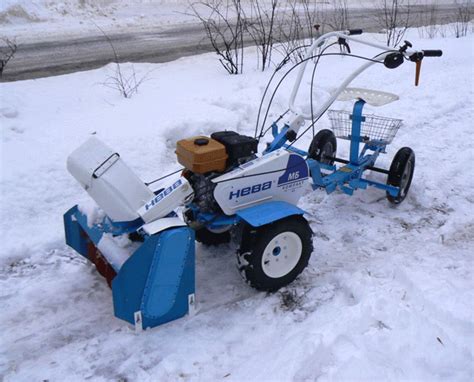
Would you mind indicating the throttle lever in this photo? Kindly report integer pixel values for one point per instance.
(343, 43)
(417, 58)
(417, 72)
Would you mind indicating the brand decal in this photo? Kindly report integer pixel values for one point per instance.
(296, 172)
(250, 190)
(163, 194)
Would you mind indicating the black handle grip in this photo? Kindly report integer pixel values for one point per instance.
(355, 31)
(432, 53)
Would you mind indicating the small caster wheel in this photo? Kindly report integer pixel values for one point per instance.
(323, 146)
(401, 174)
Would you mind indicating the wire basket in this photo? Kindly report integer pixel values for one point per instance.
(374, 129)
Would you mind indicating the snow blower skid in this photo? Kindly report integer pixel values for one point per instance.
(152, 278)
(227, 190)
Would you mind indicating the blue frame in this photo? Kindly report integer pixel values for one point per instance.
(347, 178)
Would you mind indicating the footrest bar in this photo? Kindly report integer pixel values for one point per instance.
(340, 160)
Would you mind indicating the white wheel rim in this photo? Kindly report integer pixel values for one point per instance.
(281, 254)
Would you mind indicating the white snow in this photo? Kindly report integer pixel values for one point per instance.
(115, 250)
(388, 293)
(28, 21)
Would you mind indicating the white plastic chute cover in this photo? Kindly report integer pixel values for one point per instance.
(108, 180)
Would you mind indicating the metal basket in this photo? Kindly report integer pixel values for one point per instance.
(373, 128)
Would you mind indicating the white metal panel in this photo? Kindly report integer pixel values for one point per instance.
(162, 224)
(108, 180)
(174, 195)
(260, 181)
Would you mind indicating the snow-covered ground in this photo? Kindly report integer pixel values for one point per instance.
(29, 21)
(388, 293)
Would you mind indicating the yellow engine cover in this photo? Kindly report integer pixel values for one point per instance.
(201, 154)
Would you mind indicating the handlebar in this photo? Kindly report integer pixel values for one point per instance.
(432, 53)
(392, 58)
(354, 31)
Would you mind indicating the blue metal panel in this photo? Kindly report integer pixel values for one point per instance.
(274, 129)
(157, 279)
(296, 150)
(78, 232)
(278, 142)
(315, 170)
(75, 236)
(166, 272)
(296, 170)
(268, 212)
(129, 284)
(94, 233)
(392, 190)
(355, 132)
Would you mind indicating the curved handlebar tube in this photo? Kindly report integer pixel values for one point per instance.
(347, 35)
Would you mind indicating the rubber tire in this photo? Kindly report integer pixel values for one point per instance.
(323, 143)
(403, 158)
(254, 241)
(206, 237)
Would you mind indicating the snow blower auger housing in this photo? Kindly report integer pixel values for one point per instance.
(226, 189)
(152, 278)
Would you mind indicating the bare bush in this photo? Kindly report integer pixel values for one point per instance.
(312, 19)
(443, 30)
(223, 22)
(462, 18)
(338, 19)
(430, 27)
(394, 17)
(260, 24)
(126, 84)
(8, 49)
(299, 25)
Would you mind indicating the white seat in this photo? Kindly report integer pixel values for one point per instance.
(372, 97)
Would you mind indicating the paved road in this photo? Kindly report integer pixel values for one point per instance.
(34, 60)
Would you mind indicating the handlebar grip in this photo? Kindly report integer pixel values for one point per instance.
(433, 53)
(355, 31)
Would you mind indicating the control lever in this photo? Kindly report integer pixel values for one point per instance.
(405, 46)
(417, 58)
(417, 72)
(343, 44)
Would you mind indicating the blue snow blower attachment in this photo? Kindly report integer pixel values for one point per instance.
(145, 252)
